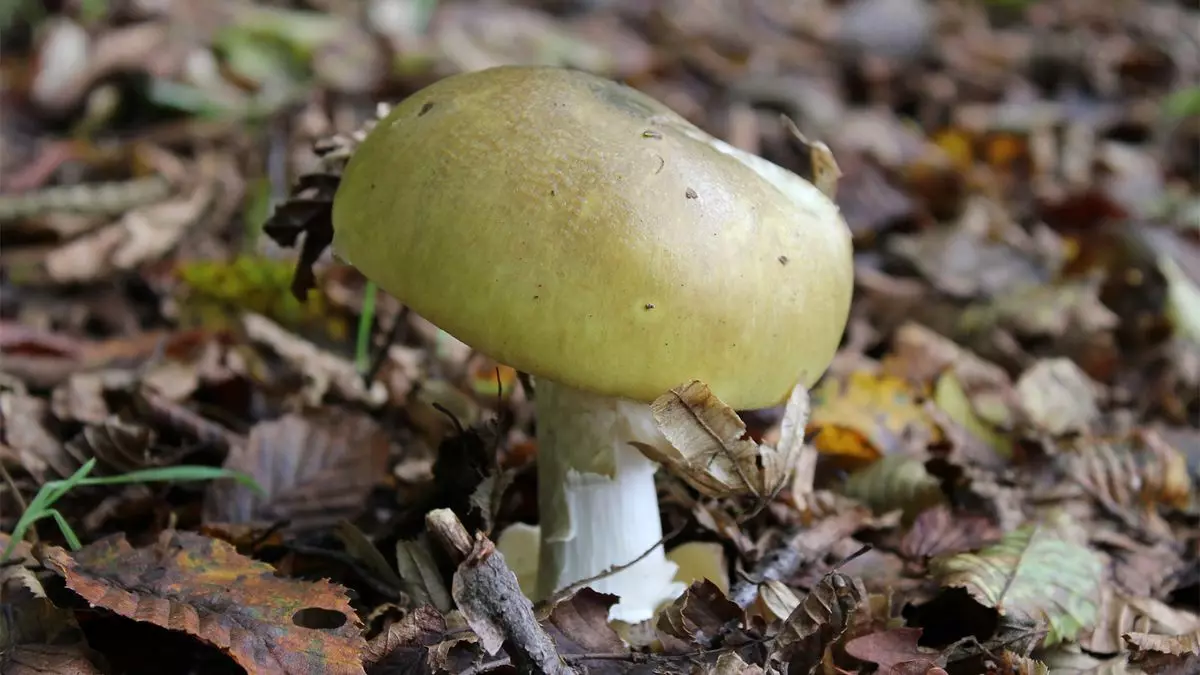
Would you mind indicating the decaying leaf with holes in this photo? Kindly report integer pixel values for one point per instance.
(315, 469)
(709, 447)
(817, 623)
(1041, 572)
(205, 588)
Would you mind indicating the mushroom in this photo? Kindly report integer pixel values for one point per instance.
(578, 230)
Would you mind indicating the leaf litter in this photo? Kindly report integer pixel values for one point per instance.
(1010, 428)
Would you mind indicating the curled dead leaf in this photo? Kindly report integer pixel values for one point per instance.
(700, 616)
(710, 449)
(817, 623)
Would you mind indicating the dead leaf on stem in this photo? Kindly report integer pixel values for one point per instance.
(710, 449)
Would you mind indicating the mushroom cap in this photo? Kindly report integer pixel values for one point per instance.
(578, 230)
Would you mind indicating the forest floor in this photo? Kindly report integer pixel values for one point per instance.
(201, 474)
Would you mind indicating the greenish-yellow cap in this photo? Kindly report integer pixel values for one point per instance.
(575, 228)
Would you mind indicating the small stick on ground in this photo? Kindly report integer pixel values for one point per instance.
(797, 549)
(488, 594)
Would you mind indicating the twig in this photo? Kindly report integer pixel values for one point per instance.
(797, 549)
(488, 594)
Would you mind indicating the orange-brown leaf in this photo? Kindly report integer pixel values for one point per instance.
(205, 588)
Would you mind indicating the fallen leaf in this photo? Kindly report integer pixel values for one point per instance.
(579, 623)
(1058, 398)
(315, 469)
(938, 531)
(817, 623)
(866, 416)
(1120, 614)
(139, 236)
(43, 659)
(775, 601)
(203, 587)
(119, 445)
(403, 646)
(1165, 654)
(896, 652)
(1015, 664)
(709, 447)
(420, 574)
(322, 370)
(965, 264)
(80, 399)
(24, 431)
(700, 616)
(895, 482)
(729, 663)
(1039, 572)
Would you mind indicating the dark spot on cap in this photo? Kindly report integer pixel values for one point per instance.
(650, 133)
(783, 260)
(425, 108)
(649, 305)
(553, 193)
(690, 194)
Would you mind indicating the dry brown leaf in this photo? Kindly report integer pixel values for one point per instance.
(183, 583)
(579, 623)
(118, 445)
(80, 399)
(896, 652)
(775, 601)
(1014, 664)
(1165, 654)
(699, 616)
(44, 659)
(938, 531)
(817, 623)
(1058, 398)
(315, 469)
(420, 574)
(710, 449)
(1120, 614)
(32, 446)
(142, 235)
(322, 370)
(404, 645)
(729, 663)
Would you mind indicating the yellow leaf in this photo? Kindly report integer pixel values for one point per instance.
(867, 416)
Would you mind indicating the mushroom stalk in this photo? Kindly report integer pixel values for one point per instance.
(597, 501)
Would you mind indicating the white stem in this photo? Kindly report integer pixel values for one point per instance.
(597, 501)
